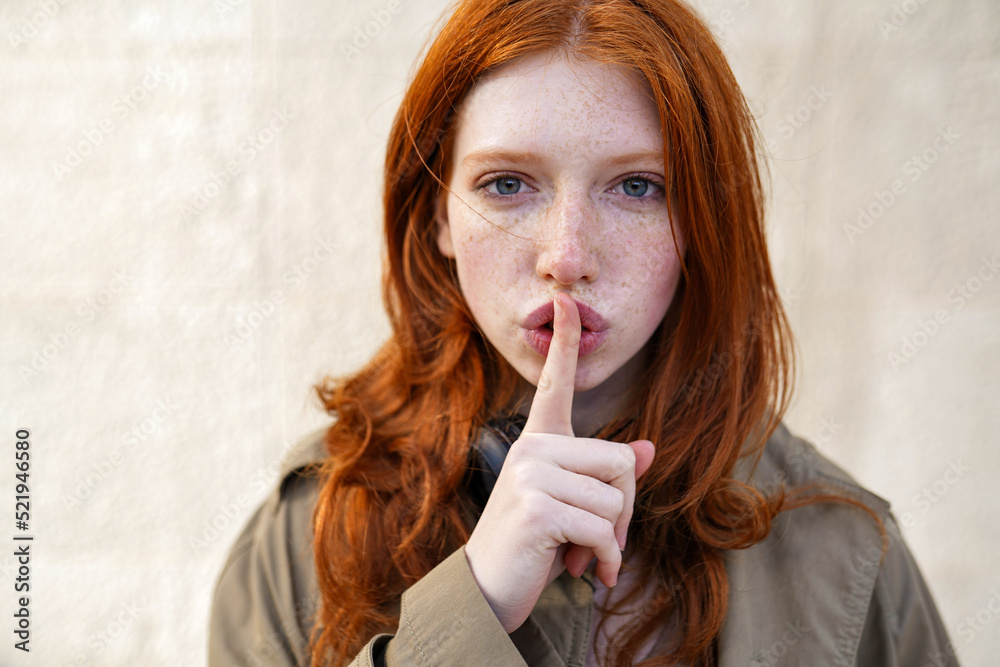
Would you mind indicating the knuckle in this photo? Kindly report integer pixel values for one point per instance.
(617, 501)
(528, 479)
(598, 495)
(595, 489)
(563, 524)
(517, 476)
(519, 451)
(624, 460)
(606, 532)
(533, 510)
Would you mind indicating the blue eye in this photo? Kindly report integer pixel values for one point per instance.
(507, 185)
(635, 187)
(501, 188)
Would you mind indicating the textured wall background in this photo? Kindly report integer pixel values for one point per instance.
(189, 201)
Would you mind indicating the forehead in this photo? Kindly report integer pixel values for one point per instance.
(551, 100)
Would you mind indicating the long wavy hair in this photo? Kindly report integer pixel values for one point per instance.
(392, 503)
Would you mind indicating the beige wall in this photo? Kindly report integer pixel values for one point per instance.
(131, 263)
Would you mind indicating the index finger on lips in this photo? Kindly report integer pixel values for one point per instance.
(552, 407)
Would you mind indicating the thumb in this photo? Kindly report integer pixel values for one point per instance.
(644, 452)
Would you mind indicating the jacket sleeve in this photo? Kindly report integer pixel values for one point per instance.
(265, 600)
(903, 626)
(444, 620)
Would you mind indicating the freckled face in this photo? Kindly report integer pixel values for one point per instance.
(557, 185)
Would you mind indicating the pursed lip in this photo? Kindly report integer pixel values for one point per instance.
(592, 334)
(589, 318)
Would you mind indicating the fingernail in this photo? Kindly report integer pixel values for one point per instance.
(558, 307)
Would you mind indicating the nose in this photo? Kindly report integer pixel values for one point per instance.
(567, 243)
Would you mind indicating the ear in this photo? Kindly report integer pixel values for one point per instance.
(444, 241)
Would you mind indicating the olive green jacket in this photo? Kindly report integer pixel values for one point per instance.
(817, 592)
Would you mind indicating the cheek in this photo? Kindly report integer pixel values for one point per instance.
(654, 271)
(487, 270)
(644, 258)
(484, 253)
(477, 261)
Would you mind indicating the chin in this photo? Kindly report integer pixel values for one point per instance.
(587, 380)
(587, 377)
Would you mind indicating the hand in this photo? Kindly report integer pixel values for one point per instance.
(559, 499)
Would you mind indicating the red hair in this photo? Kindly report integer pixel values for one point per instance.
(391, 506)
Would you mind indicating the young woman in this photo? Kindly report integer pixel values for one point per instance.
(569, 452)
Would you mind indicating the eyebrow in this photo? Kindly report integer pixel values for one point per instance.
(488, 157)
